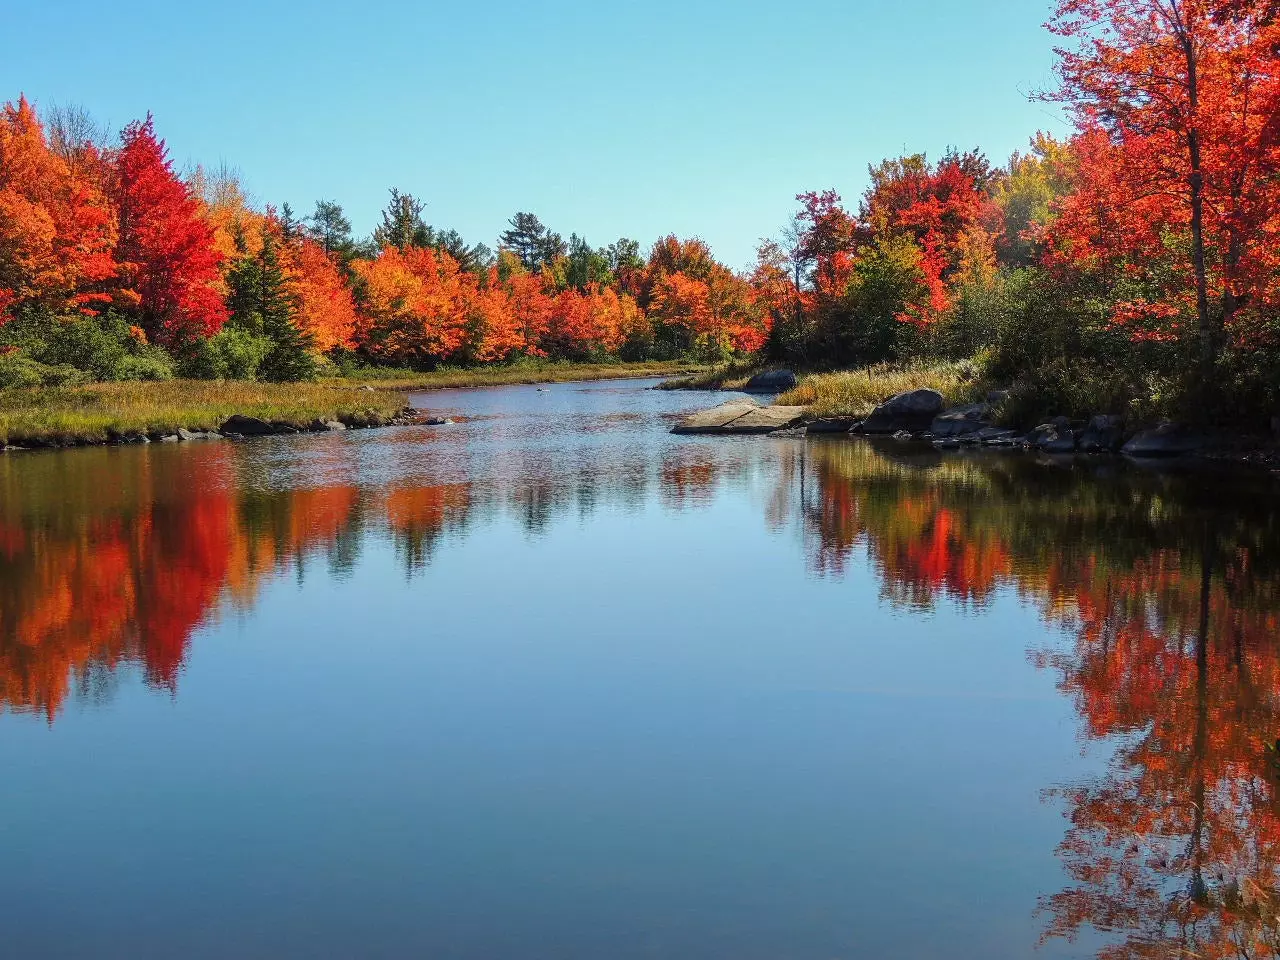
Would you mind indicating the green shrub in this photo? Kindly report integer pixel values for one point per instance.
(17, 370)
(230, 354)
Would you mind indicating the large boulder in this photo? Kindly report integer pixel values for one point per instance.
(1166, 440)
(914, 410)
(961, 421)
(771, 381)
(247, 426)
(1104, 434)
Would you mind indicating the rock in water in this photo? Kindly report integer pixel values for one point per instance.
(1104, 434)
(772, 381)
(740, 416)
(247, 426)
(1166, 440)
(961, 421)
(914, 410)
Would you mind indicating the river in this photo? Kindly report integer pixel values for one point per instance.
(550, 682)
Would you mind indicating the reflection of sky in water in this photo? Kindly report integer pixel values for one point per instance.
(553, 682)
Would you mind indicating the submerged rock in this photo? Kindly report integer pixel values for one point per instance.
(832, 424)
(914, 410)
(771, 381)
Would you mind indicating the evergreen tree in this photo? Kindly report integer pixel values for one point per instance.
(532, 242)
(402, 223)
(263, 303)
(330, 228)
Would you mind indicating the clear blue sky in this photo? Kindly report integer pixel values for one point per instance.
(609, 119)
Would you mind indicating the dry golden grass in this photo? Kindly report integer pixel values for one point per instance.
(855, 393)
(97, 413)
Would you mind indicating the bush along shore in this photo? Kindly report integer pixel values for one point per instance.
(951, 406)
(176, 411)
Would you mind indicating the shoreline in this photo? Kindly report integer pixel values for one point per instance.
(531, 375)
(119, 414)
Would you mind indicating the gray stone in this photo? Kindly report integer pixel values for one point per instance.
(170, 438)
(184, 434)
(330, 425)
(790, 433)
(1104, 434)
(771, 381)
(914, 410)
(247, 426)
(904, 435)
(959, 421)
(1166, 440)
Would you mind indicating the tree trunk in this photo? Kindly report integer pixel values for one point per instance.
(1208, 340)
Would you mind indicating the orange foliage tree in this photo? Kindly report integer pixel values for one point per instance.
(56, 228)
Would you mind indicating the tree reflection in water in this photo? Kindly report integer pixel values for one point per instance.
(1165, 589)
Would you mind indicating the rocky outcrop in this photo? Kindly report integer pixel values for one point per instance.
(740, 416)
(771, 381)
(1166, 440)
(913, 411)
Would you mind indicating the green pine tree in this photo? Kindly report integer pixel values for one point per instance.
(263, 303)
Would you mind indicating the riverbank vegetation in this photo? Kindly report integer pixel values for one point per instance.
(1132, 267)
(98, 413)
(855, 393)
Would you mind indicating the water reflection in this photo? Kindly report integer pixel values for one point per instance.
(1161, 592)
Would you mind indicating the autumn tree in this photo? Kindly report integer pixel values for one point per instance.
(415, 305)
(56, 227)
(166, 249)
(326, 307)
(1177, 103)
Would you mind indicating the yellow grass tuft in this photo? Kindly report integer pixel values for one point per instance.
(855, 393)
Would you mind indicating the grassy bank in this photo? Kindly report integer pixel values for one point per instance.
(725, 376)
(101, 412)
(855, 393)
(501, 375)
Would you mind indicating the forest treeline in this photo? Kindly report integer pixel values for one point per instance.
(1132, 265)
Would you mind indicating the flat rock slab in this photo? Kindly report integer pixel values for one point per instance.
(740, 416)
(766, 420)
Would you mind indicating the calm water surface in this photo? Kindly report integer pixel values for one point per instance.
(553, 683)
